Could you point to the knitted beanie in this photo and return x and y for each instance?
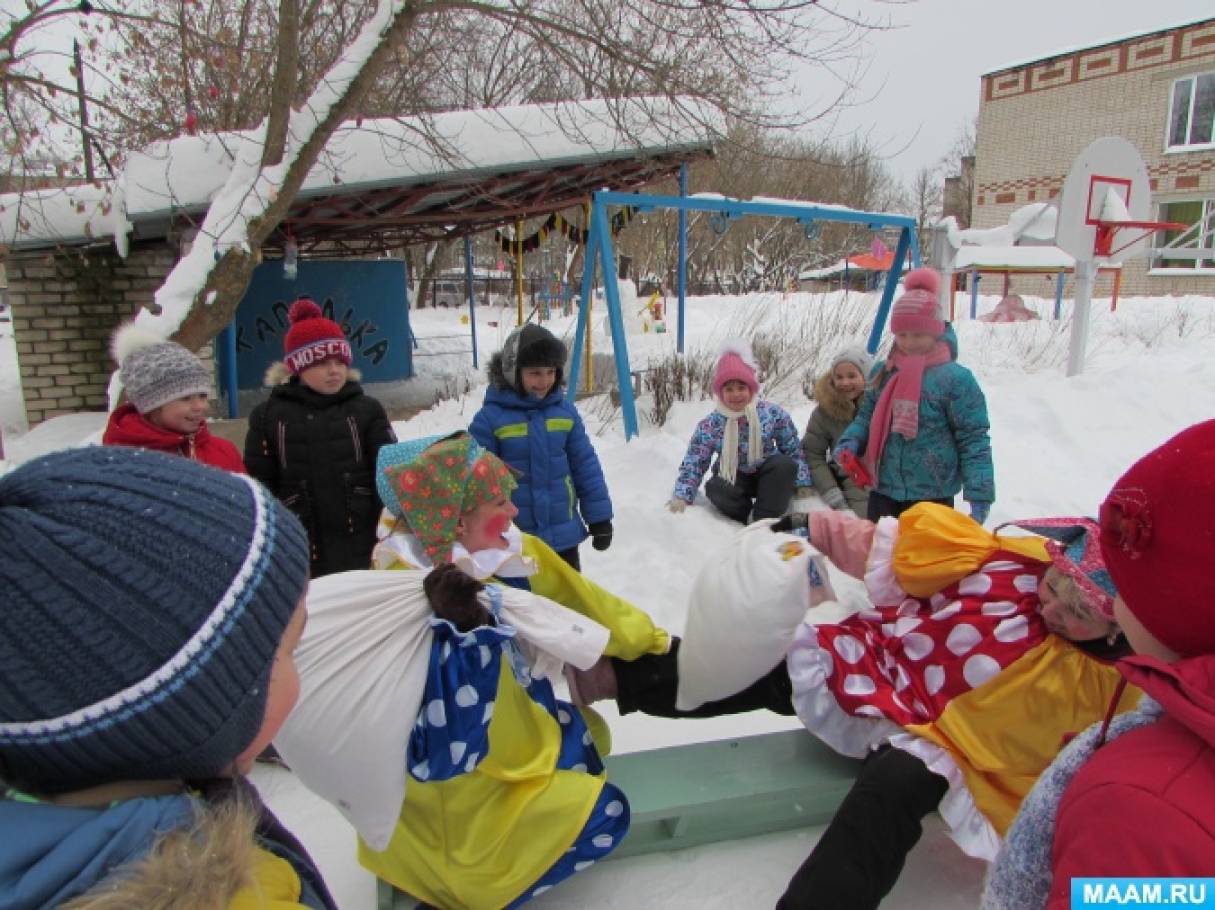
(735, 362)
(856, 355)
(431, 482)
(531, 346)
(1074, 551)
(1159, 542)
(155, 372)
(919, 309)
(312, 338)
(142, 600)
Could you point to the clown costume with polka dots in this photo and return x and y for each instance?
(507, 794)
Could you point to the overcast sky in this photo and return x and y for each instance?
(923, 76)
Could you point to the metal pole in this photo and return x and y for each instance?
(682, 277)
(1059, 294)
(616, 320)
(84, 112)
(519, 272)
(227, 338)
(892, 280)
(974, 293)
(584, 310)
(468, 285)
(1085, 272)
(1117, 288)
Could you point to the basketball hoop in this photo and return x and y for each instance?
(1106, 192)
(1103, 241)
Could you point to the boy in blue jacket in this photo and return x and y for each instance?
(528, 423)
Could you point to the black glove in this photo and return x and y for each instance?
(453, 596)
(788, 524)
(601, 534)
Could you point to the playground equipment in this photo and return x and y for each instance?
(1105, 201)
(599, 254)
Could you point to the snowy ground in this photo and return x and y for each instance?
(1059, 444)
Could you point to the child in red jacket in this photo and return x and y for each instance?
(167, 389)
(1135, 795)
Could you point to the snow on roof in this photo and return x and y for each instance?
(825, 272)
(1068, 51)
(73, 213)
(1013, 258)
(186, 173)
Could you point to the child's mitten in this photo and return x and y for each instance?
(835, 498)
(453, 596)
(846, 458)
(979, 511)
(601, 534)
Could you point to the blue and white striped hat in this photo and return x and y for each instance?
(142, 600)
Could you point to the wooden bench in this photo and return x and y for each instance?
(702, 793)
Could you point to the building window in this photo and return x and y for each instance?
(1192, 112)
(1190, 212)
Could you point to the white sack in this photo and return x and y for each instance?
(744, 608)
(362, 664)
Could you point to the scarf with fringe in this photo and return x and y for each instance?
(727, 464)
(898, 405)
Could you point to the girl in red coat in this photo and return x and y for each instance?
(167, 389)
(1135, 796)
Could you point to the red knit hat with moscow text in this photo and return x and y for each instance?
(312, 338)
(1158, 540)
(919, 308)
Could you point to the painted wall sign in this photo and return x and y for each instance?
(366, 298)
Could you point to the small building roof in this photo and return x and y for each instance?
(390, 182)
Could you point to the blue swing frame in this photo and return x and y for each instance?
(599, 254)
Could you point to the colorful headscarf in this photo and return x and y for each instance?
(431, 482)
(1074, 548)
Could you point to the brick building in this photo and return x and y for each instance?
(1156, 90)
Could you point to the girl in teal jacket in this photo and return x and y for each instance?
(922, 430)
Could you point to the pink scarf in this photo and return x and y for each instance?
(898, 407)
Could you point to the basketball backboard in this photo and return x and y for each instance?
(1108, 183)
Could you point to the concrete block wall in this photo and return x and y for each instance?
(1034, 119)
(65, 306)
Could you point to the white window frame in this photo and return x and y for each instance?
(1168, 124)
(1208, 218)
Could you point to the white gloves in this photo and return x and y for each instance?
(676, 505)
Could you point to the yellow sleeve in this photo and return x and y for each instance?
(633, 633)
(938, 545)
(276, 886)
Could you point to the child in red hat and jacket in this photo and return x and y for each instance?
(314, 441)
(1135, 796)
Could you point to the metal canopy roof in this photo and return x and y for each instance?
(360, 221)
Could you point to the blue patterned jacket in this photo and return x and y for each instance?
(951, 450)
(777, 433)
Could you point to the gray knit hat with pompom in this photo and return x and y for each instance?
(155, 372)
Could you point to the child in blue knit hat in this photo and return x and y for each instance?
(149, 609)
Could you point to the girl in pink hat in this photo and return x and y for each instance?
(759, 459)
(922, 430)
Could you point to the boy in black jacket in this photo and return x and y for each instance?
(314, 442)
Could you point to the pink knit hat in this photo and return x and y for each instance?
(919, 309)
(735, 362)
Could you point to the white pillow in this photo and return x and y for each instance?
(744, 608)
(362, 664)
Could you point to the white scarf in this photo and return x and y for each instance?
(727, 464)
